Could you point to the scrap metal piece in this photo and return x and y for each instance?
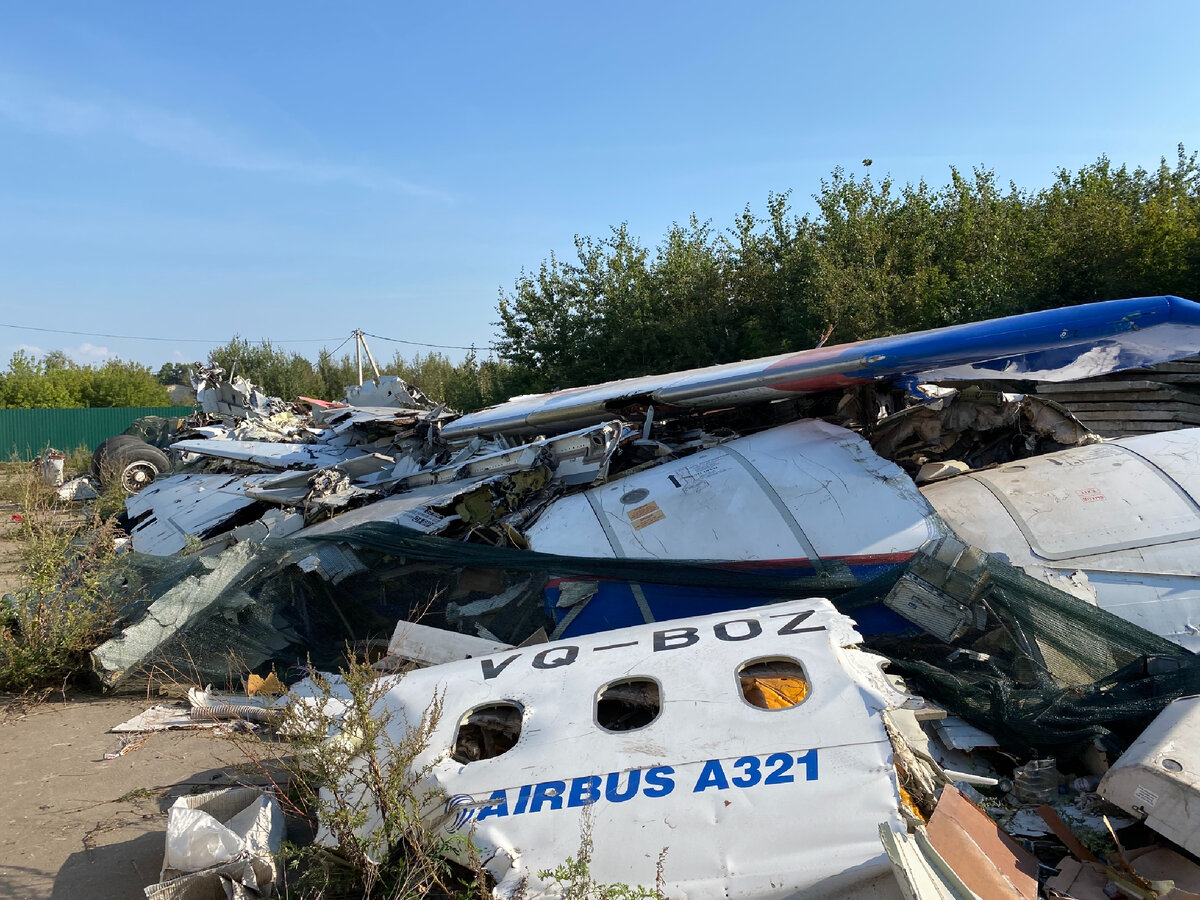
(171, 614)
(1158, 778)
(271, 455)
(181, 507)
(388, 390)
(699, 770)
(1116, 524)
(941, 587)
(428, 646)
(234, 396)
(988, 861)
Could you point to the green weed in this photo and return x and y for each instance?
(344, 771)
(78, 462)
(574, 881)
(63, 608)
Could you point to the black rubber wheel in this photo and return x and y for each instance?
(129, 460)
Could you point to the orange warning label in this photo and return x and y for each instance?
(646, 514)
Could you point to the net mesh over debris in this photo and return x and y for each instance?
(1038, 668)
(289, 603)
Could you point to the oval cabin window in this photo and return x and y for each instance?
(773, 683)
(628, 704)
(487, 731)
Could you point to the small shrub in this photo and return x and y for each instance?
(63, 607)
(574, 881)
(335, 770)
(78, 462)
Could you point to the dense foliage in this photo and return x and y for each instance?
(871, 259)
(56, 381)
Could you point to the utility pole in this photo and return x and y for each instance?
(360, 347)
(358, 353)
(367, 350)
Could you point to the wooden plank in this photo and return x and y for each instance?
(1190, 416)
(1116, 429)
(1063, 832)
(1146, 374)
(987, 860)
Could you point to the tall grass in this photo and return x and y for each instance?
(63, 607)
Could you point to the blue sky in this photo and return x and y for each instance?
(296, 170)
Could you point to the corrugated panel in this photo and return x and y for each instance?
(26, 432)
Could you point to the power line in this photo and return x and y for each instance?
(342, 344)
(380, 337)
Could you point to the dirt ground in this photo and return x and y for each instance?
(73, 824)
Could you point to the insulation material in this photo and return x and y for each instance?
(221, 845)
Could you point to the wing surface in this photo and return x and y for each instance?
(1063, 344)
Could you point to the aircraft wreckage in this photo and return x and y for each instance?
(710, 568)
(829, 466)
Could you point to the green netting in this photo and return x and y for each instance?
(288, 603)
(1041, 670)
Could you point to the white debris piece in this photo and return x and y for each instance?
(81, 488)
(428, 646)
(1116, 524)
(221, 843)
(667, 732)
(1158, 777)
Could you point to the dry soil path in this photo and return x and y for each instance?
(77, 826)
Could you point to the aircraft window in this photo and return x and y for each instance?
(487, 731)
(773, 683)
(628, 704)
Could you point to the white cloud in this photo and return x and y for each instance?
(36, 108)
(86, 353)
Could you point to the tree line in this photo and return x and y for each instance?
(55, 381)
(873, 258)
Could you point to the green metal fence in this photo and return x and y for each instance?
(24, 433)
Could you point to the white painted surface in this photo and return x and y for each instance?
(814, 831)
(184, 505)
(434, 646)
(1113, 523)
(271, 455)
(792, 492)
(1158, 777)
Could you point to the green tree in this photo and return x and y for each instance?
(174, 373)
(277, 372)
(873, 259)
(56, 382)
